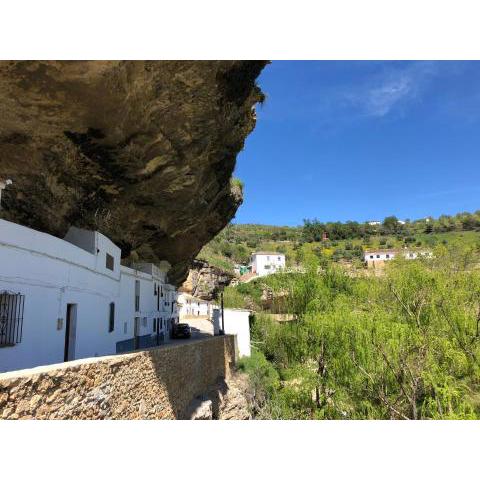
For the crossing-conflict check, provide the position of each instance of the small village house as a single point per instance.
(265, 263)
(377, 258)
(190, 306)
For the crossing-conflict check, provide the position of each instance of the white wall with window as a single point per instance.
(265, 263)
(386, 255)
(76, 298)
(190, 306)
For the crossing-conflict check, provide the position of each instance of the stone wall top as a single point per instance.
(154, 383)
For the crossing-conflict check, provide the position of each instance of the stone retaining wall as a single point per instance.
(158, 383)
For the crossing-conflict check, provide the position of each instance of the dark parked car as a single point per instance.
(181, 330)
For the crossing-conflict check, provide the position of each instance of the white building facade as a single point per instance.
(190, 306)
(67, 299)
(265, 263)
(372, 257)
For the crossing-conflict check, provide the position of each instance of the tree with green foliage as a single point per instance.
(390, 225)
(402, 346)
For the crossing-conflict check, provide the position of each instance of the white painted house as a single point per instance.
(264, 263)
(379, 256)
(190, 306)
(67, 299)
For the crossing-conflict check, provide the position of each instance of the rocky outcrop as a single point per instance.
(141, 150)
(205, 281)
(235, 403)
(228, 399)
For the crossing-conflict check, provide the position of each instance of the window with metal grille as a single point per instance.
(11, 318)
(111, 318)
(109, 262)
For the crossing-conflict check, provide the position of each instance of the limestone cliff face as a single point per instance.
(141, 150)
(205, 281)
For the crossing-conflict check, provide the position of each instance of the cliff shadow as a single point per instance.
(194, 371)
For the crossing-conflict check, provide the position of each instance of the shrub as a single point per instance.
(263, 379)
(404, 345)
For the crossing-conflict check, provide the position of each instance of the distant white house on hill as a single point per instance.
(379, 257)
(376, 222)
(265, 263)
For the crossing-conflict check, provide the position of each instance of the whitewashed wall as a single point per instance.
(237, 322)
(390, 255)
(51, 273)
(265, 264)
(193, 306)
(372, 256)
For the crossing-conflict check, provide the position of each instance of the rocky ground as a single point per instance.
(227, 400)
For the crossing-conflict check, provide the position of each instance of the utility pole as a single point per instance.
(223, 318)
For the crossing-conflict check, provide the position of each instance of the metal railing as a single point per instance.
(11, 318)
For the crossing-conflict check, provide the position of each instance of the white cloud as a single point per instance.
(394, 87)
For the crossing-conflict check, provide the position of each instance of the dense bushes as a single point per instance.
(406, 345)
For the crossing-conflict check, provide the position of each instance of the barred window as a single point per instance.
(11, 318)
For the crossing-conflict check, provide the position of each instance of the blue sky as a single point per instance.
(362, 140)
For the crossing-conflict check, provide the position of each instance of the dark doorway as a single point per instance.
(136, 333)
(70, 332)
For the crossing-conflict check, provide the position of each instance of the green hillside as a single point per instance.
(330, 342)
(346, 241)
